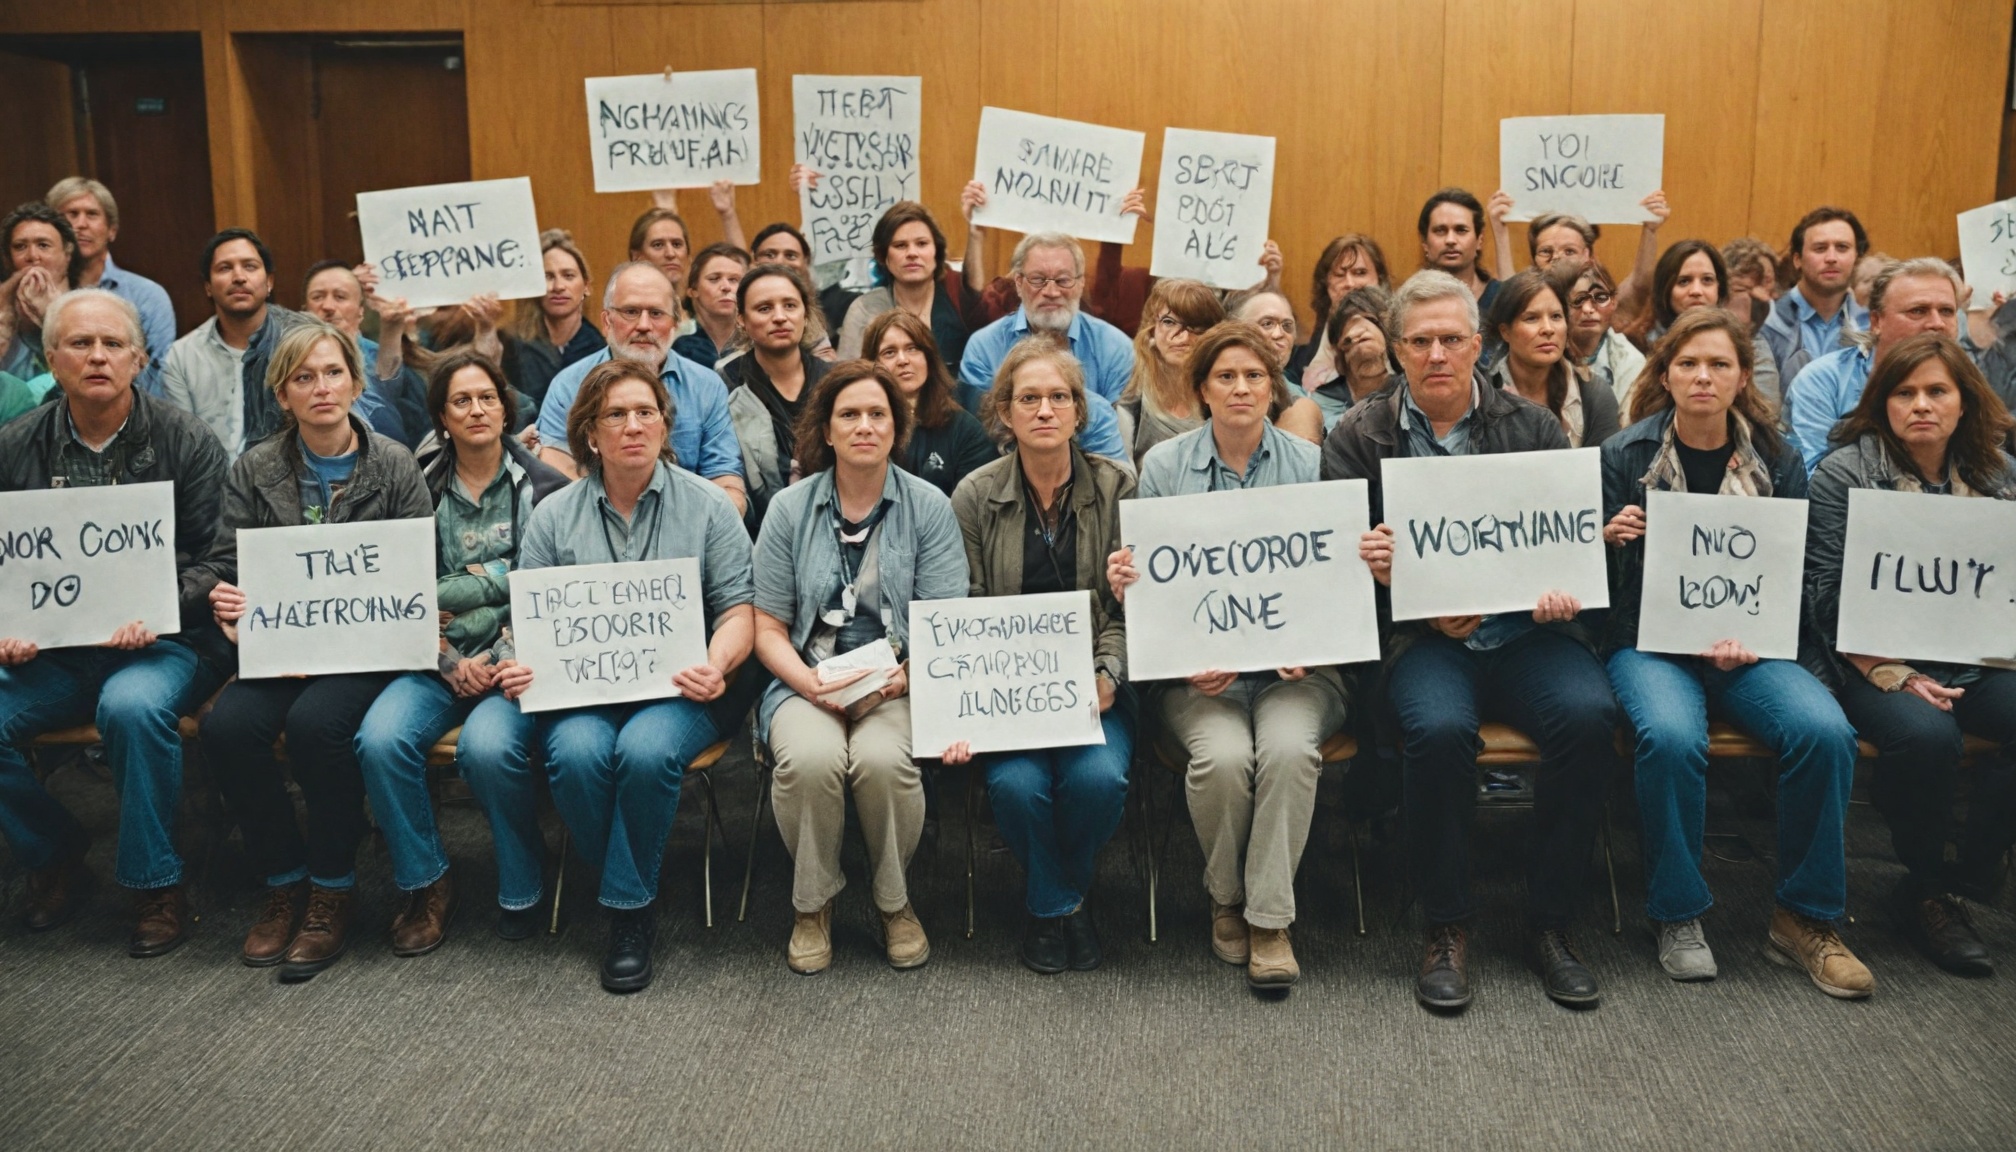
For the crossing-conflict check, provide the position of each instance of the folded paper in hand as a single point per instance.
(878, 657)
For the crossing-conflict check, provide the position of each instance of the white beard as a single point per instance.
(652, 358)
(1057, 321)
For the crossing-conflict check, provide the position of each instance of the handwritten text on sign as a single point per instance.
(607, 633)
(1049, 175)
(1988, 251)
(1002, 673)
(443, 243)
(860, 133)
(1722, 568)
(1596, 167)
(1928, 578)
(1211, 206)
(1482, 534)
(355, 597)
(647, 132)
(1248, 581)
(77, 564)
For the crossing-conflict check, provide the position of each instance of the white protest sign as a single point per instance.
(1049, 175)
(1211, 207)
(1002, 673)
(607, 633)
(443, 243)
(649, 132)
(1928, 578)
(1473, 535)
(860, 134)
(1722, 568)
(77, 564)
(1988, 251)
(1249, 581)
(1596, 167)
(355, 597)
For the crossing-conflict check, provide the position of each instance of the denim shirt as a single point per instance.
(157, 317)
(678, 515)
(1827, 389)
(1188, 464)
(920, 555)
(703, 438)
(1105, 351)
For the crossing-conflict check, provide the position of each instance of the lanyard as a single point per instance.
(849, 575)
(650, 542)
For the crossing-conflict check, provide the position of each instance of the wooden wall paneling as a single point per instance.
(1818, 90)
(1710, 108)
(278, 163)
(1501, 58)
(1937, 128)
(362, 95)
(403, 16)
(142, 15)
(223, 97)
(42, 137)
(1019, 68)
(528, 113)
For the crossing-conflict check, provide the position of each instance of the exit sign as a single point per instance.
(151, 105)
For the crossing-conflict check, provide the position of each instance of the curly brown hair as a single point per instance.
(813, 453)
(1975, 451)
(1648, 395)
(588, 408)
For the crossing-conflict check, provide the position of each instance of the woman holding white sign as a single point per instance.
(1043, 519)
(616, 769)
(324, 467)
(841, 556)
(484, 485)
(1927, 423)
(1253, 741)
(916, 277)
(1700, 427)
(1530, 317)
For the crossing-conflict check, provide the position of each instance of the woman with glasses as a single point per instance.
(1252, 741)
(1044, 518)
(1565, 237)
(1158, 401)
(615, 770)
(484, 485)
(1603, 358)
(769, 382)
(1270, 311)
(841, 556)
(946, 441)
(1530, 318)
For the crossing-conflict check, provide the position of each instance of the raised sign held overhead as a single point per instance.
(1988, 251)
(1928, 578)
(1211, 206)
(607, 633)
(1003, 673)
(1596, 167)
(78, 564)
(1722, 568)
(1482, 534)
(1248, 581)
(860, 134)
(351, 597)
(1049, 175)
(444, 243)
(674, 130)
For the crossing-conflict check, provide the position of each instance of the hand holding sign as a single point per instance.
(1597, 167)
(444, 243)
(1721, 568)
(86, 566)
(857, 137)
(687, 130)
(1216, 192)
(1043, 174)
(352, 597)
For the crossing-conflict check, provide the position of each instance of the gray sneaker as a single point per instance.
(1683, 951)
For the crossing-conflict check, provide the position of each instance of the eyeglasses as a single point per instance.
(620, 417)
(1419, 345)
(466, 401)
(1042, 283)
(1596, 299)
(1031, 401)
(632, 315)
(1274, 326)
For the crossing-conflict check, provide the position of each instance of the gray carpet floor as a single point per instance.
(486, 1044)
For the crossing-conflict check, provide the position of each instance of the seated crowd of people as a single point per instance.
(828, 457)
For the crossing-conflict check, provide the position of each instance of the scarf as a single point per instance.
(1746, 475)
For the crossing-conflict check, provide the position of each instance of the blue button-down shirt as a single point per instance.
(1798, 335)
(157, 317)
(1189, 464)
(1105, 351)
(703, 438)
(1824, 391)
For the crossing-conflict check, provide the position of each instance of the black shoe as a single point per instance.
(1044, 948)
(1567, 979)
(1445, 978)
(1939, 927)
(518, 923)
(1083, 937)
(627, 967)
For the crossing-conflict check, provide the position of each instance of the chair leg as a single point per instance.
(1357, 878)
(972, 818)
(707, 849)
(755, 829)
(1610, 870)
(560, 880)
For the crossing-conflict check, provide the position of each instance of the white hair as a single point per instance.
(1036, 240)
(1426, 287)
(52, 323)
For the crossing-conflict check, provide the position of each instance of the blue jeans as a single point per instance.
(1056, 808)
(1669, 700)
(615, 773)
(136, 698)
(494, 756)
(1544, 684)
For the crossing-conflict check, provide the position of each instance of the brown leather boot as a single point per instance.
(56, 893)
(274, 931)
(423, 925)
(325, 933)
(163, 922)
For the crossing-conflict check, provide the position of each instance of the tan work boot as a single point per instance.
(904, 938)
(1271, 962)
(811, 947)
(1813, 945)
(1228, 932)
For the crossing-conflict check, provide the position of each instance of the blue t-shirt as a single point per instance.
(324, 480)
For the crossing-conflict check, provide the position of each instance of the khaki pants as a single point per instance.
(819, 757)
(1253, 763)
